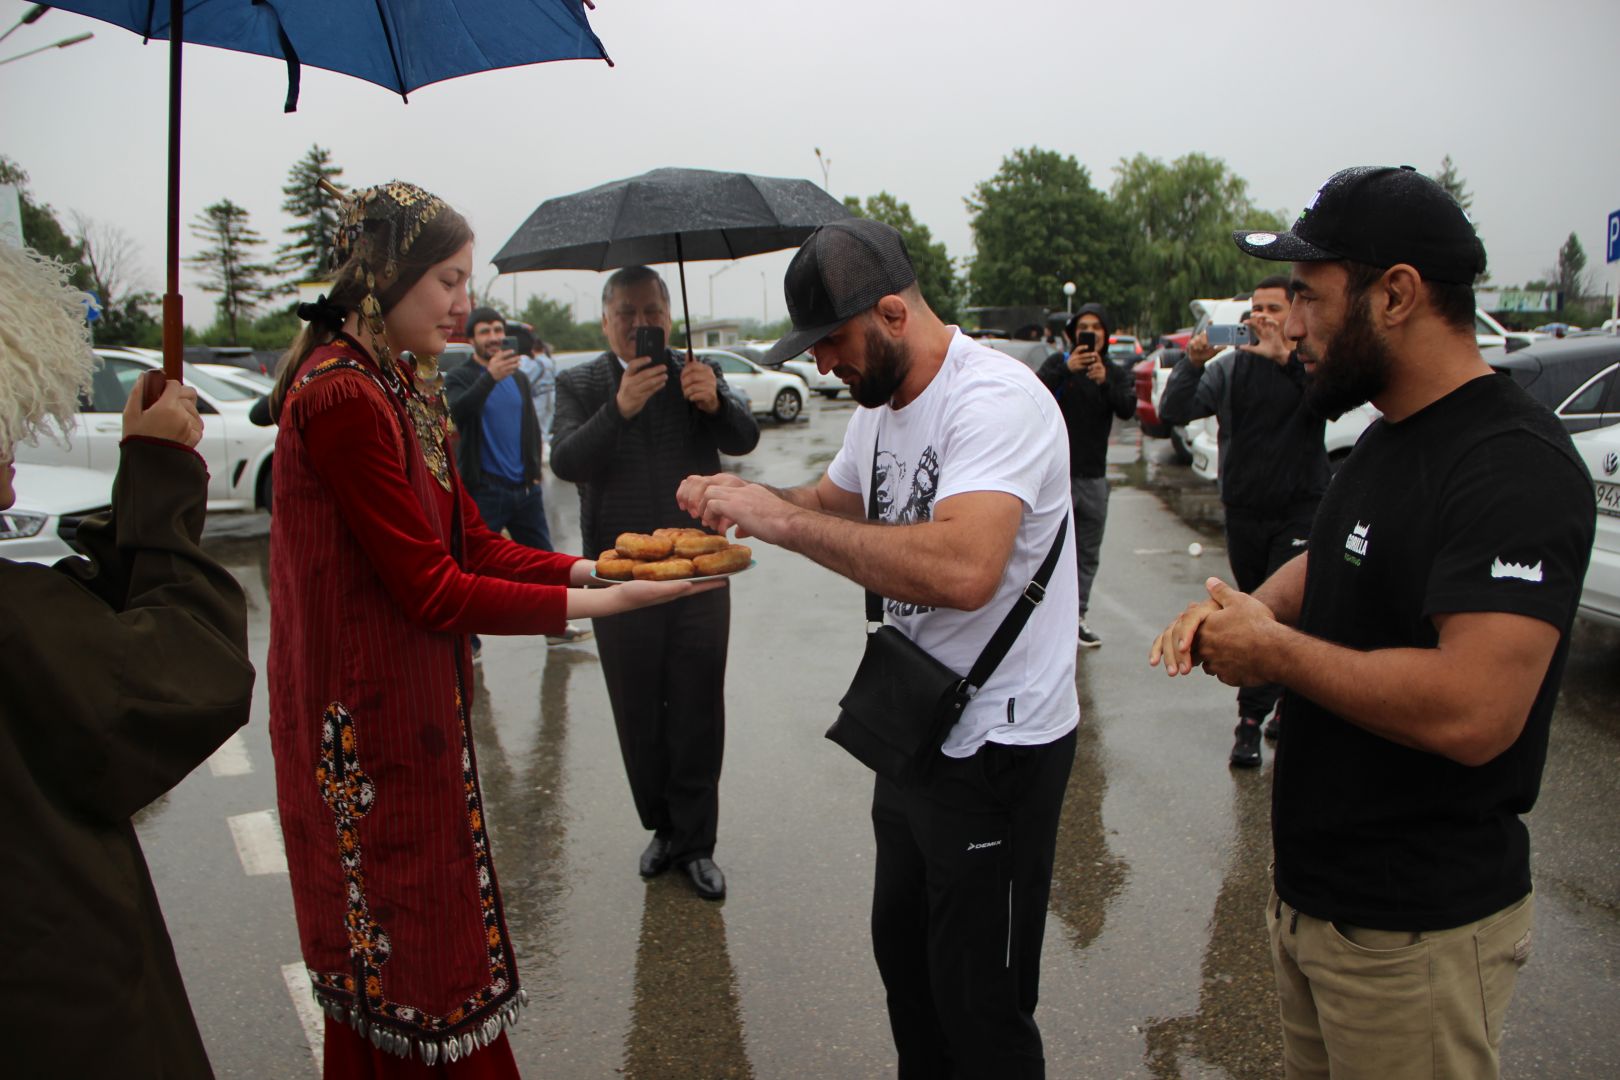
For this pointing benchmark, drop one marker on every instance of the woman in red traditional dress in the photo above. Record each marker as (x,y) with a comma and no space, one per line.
(380,568)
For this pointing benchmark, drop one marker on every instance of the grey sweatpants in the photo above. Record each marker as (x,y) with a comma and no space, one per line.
(1090,497)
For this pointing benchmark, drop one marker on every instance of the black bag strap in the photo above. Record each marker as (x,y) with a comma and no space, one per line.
(995,650)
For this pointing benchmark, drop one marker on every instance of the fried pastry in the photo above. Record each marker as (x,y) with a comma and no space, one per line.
(614,567)
(688,547)
(735,557)
(642,547)
(663,570)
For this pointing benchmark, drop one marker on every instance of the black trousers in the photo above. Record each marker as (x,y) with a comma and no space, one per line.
(964,869)
(666,675)
(1257,545)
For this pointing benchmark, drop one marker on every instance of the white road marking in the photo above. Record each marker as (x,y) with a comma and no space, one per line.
(296,977)
(258,842)
(231,759)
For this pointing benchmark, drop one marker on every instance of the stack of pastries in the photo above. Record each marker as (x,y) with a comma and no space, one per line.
(671,554)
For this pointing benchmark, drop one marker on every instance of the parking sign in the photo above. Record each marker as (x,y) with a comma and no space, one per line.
(1614,237)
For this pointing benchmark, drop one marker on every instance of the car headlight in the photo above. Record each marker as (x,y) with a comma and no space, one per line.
(20,524)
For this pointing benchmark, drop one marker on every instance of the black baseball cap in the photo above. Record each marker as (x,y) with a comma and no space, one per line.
(1380,216)
(845,268)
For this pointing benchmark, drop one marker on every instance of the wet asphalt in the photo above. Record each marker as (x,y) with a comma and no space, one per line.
(1155,962)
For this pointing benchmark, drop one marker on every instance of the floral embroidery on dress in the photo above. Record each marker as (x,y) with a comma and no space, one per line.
(351,794)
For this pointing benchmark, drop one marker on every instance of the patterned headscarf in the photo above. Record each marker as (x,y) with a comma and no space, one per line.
(403,210)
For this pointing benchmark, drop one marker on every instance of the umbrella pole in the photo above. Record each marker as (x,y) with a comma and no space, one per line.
(174,323)
(686,309)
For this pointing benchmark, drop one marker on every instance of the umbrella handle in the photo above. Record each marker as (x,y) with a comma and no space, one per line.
(686,310)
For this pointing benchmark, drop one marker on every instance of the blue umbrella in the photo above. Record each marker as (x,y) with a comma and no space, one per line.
(397,44)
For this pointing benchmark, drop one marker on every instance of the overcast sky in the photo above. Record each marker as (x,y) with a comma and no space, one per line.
(921,98)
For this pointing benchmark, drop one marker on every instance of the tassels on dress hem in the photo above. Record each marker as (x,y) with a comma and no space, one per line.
(450,1048)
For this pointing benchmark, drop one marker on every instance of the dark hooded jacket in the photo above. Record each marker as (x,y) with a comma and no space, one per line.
(1088,407)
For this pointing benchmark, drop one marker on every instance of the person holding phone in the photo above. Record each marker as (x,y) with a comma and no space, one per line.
(630,426)
(1090,392)
(1273,465)
(500,449)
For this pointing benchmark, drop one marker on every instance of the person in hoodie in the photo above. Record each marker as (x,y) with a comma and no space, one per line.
(1273,465)
(1090,392)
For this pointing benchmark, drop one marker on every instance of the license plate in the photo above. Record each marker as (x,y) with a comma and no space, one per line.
(1608,497)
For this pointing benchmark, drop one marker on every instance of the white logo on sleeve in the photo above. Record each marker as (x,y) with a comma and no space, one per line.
(1500,569)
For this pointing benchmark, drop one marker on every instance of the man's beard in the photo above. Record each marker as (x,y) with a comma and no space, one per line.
(1354,366)
(887,364)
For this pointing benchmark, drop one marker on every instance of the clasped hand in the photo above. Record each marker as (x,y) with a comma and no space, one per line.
(1228,635)
(725,501)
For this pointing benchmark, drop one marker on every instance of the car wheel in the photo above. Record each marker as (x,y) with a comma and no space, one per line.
(1178,443)
(787,405)
(266,483)
(830,395)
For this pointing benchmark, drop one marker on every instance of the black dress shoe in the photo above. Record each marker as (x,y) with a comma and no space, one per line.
(655,860)
(707,879)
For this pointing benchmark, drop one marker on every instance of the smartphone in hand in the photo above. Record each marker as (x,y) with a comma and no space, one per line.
(1086,340)
(650,341)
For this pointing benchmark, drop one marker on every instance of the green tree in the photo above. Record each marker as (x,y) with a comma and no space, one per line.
(553,322)
(1569,274)
(314,212)
(1452,181)
(1179,217)
(1038,223)
(936,278)
(41,230)
(228,266)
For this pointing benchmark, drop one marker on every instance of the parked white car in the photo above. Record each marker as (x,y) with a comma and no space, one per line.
(770,393)
(51,501)
(828,386)
(1600,597)
(249,382)
(236,450)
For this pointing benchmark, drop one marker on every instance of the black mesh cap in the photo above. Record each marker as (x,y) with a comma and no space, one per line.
(1380,216)
(845,268)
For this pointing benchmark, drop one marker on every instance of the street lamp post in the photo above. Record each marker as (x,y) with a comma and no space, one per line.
(764,300)
(575,306)
(1068,297)
(712,276)
(64,43)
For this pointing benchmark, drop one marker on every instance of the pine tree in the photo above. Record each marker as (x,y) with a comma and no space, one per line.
(227,263)
(1569,276)
(307,255)
(1449,178)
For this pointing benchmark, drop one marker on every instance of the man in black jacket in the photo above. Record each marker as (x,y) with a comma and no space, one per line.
(1090,392)
(1273,467)
(628,430)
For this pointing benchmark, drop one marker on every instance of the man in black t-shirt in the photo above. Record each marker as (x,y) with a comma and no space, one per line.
(1421,641)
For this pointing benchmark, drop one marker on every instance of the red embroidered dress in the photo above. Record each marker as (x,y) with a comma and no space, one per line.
(379,569)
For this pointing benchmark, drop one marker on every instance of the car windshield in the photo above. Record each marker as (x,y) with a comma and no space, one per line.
(216,388)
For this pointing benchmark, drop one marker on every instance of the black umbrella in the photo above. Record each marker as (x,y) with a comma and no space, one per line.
(669,215)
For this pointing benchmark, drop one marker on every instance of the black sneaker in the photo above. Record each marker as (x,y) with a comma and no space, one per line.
(1246,748)
(1089,638)
(1273,726)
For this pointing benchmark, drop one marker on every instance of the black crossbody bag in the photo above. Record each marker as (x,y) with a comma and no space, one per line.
(902,702)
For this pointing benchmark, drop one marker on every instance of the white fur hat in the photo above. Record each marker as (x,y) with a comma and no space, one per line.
(45,357)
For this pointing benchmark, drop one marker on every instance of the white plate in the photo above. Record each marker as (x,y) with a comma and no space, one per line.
(698,577)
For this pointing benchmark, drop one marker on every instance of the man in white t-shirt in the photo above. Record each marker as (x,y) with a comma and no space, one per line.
(970,460)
